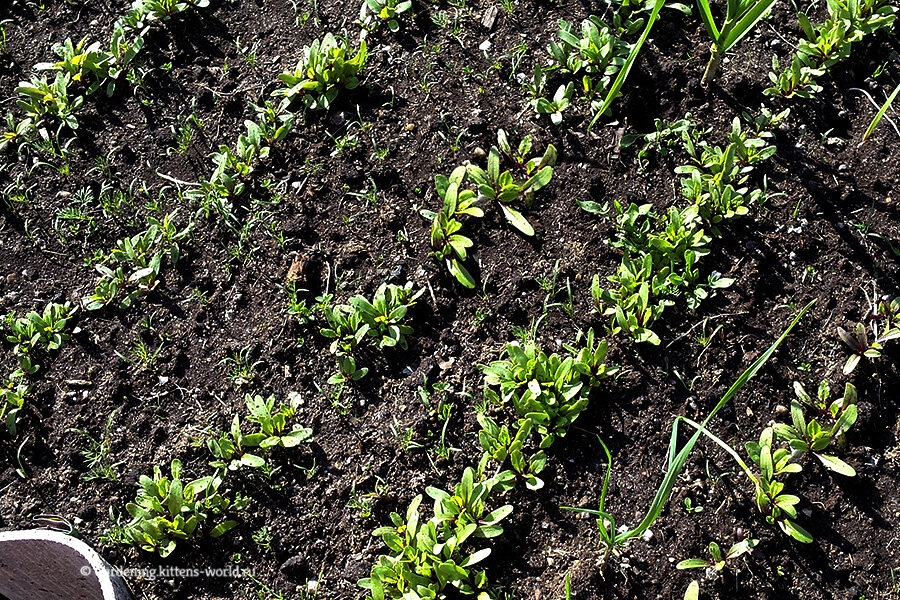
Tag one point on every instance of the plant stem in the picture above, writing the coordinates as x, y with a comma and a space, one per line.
712, 66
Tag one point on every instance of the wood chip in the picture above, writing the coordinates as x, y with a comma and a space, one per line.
490, 15
298, 268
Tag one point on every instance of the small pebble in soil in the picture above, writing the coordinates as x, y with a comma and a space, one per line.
782, 411
842, 168
479, 152
410, 126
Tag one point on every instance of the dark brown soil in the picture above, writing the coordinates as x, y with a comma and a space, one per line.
430, 97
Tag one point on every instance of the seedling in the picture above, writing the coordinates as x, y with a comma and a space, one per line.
777, 506
379, 323
858, 340
167, 510
382, 11
142, 254
45, 100
718, 561
96, 455
827, 44
12, 400
448, 244
813, 439
427, 557
740, 18
503, 188
875, 120
549, 391
555, 108
325, 68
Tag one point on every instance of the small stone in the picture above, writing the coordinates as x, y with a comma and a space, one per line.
647, 536
489, 17
410, 126
10, 278
78, 383
294, 568
782, 411
63, 194
479, 152
842, 168
485, 45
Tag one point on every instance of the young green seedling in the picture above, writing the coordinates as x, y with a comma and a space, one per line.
811, 438
555, 108
740, 18
382, 11
325, 68
718, 561
502, 188
858, 340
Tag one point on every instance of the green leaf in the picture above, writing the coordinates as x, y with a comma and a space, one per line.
222, 528
692, 563
517, 220
475, 557
795, 531
833, 463
880, 114
693, 591
592, 207
746, 24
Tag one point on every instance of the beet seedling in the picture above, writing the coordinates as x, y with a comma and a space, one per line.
325, 68
378, 322
550, 391
715, 563
12, 400
555, 108
718, 561
448, 244
503, 187
426, 557
858, 340
813, 439
382, 11
167, 509
827, 44
44, 100
230, 449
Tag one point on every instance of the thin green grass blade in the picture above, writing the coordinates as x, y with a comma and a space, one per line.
880, 115
629, 62
747, 23
707, 18
675, 465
